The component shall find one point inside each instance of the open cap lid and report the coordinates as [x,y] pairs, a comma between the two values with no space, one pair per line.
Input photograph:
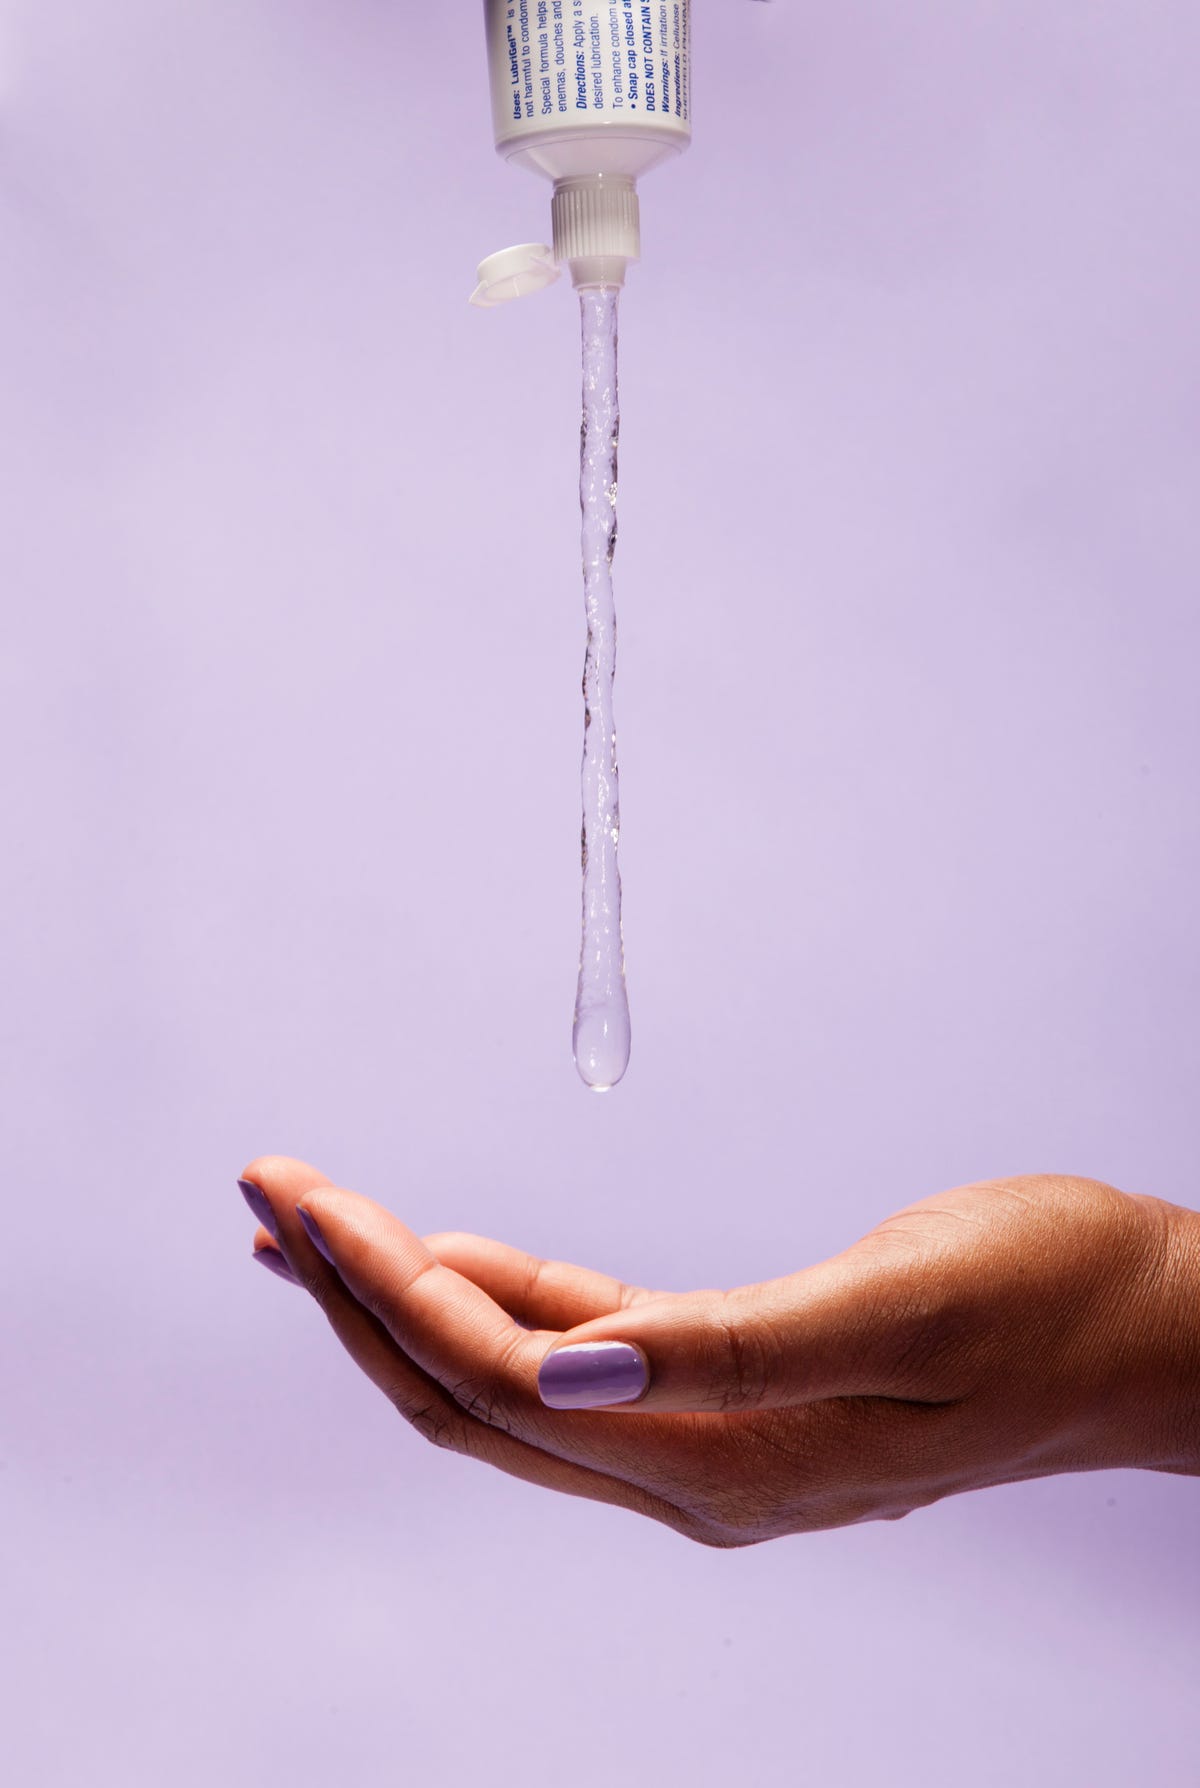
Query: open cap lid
[514,273]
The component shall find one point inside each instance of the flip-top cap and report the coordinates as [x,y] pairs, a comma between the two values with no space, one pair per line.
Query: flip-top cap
[514,273]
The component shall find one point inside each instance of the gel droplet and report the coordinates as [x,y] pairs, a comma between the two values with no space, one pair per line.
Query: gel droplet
[601,1032]
[601,1044]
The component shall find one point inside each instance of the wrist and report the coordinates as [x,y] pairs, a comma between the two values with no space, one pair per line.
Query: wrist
[1175,1442]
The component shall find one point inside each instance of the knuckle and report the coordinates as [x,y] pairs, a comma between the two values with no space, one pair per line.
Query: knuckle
[432,1421]
[533,1282]
[480,1401]
[376,1307]
[748,1360]
[315,1283]
[488,1396]
[446,1241]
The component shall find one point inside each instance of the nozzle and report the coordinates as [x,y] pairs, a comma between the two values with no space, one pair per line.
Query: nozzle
[596,228]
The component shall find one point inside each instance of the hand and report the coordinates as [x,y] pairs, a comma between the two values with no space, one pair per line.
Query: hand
[1003,1331]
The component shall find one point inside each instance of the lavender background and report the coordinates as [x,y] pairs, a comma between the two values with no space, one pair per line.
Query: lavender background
[910,737]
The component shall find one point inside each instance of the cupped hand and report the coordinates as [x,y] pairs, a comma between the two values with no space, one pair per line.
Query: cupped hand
[1002,1331]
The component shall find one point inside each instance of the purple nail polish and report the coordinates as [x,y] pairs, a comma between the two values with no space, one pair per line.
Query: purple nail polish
[256,1198]
[274,1262]
[591,1374]
[312,1230]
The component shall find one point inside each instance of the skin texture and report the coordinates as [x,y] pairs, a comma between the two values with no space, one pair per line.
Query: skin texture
[1002,1331]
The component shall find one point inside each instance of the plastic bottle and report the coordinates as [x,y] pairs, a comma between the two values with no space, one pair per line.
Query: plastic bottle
[592,94]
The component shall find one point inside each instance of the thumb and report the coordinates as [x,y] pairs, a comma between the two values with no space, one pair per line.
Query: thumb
[841,1329]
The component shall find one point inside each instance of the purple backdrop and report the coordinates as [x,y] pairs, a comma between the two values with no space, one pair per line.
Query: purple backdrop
[910,740]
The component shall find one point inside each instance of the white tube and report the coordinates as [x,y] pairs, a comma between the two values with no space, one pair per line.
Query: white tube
[591,93]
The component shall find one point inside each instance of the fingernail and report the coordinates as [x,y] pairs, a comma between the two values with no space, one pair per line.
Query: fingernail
[274,1262]
[256,1198]
[312,1230]
[591,1374]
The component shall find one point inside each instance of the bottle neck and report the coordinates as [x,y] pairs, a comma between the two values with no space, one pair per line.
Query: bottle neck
[596,227]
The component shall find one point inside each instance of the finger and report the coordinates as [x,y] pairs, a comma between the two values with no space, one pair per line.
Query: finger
[548,1294]
[447,1325]
[853,1326]
[424,1403]
[271,1257]
[455,1332]
[271,1186]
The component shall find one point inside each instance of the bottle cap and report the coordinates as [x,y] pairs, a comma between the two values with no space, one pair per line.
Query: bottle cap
[596,227]
[513,273]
